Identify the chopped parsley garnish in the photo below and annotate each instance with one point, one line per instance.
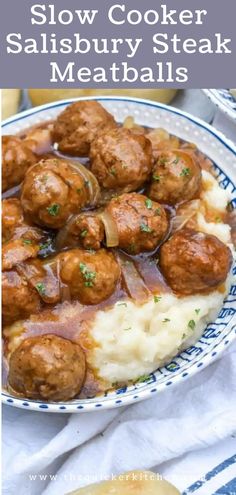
(157, 212)
(90, 251)
(148, 203)
(165, 320)
(162, 161)
(88, 283)
(87, 183)
(218, 220)
(191, 324)
(185, 172)
(145, 228)
(83, 233)
(45, 178)
(127, 329)
(45, 245)
(157, 299)
(184, 336)
(113, 171)
(78, 190)
(143, 378)
(88, 275)
(176, 160)
(26, 241)
(122, 304)
(41, 288)
(197, 311)
(156, 178)
(53, 210)
(171, 366)
(132, 247)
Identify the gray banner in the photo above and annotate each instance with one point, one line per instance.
(124, 43)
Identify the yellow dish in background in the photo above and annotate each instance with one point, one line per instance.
(41, 96)
(133, 482)
(10, 102)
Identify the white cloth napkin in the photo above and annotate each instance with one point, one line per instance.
(159, 434)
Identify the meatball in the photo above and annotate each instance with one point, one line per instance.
(15, 226)
(17, 251)
(84, 230)
(141, 222)
(12, 217)
(91, 276)
(121, 159)
(48, 368)
(176, 177)
(19, 299)
(79, 124)
(193, 262)
(17, 157)
(53, 190)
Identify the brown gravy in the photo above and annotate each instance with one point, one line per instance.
(71, 320)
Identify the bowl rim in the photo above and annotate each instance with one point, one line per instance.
(148, 390)
(220, 103)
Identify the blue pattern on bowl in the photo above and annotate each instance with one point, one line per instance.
(224, 100)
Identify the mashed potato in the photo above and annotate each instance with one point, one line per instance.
(214, 198)
(134, 340)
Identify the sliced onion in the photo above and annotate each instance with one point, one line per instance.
(52, 268)
(179, 221)
(112, 236)
(134, 284)
(158, 135)
(151, 275)
(14, 192)
(162, 141)
(39, 141)
(129, 123)
(93, 186)
(62, 235)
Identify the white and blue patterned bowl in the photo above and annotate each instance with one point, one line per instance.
(217, 335)
(224, 100)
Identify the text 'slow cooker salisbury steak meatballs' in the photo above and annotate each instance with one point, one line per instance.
(53, 190)
(176, 177)
(121, 159)
(194, 262)
(79, 124)
(141, 223)
(47, 368)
